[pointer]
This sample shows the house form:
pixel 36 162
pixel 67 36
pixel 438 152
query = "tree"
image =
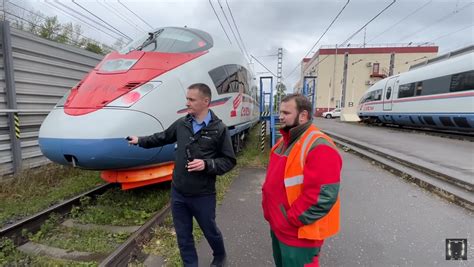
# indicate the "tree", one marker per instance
pixel 93 47
pixel 65 34
pixel 280 92
pixel 50 28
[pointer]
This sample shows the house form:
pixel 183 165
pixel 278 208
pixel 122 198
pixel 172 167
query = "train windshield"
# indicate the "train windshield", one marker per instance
pixel 172 40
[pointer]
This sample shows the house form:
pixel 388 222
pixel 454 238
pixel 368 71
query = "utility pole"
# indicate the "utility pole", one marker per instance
pixel 279 69
pixel 279 86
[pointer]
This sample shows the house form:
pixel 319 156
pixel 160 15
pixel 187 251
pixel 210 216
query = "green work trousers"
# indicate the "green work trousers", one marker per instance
pixel 287 256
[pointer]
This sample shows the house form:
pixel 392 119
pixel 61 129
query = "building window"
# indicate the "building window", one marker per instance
pixel 375 68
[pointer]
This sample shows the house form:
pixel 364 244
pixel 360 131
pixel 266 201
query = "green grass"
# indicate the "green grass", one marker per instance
pixel 35 190
pixel 164 242
pixel 73 239
pixel 10 256
pixel 123 208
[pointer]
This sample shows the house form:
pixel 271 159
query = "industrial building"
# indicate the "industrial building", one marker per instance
pixel 340 76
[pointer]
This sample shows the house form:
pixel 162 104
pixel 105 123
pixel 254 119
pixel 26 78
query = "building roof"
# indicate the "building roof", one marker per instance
pixel 378 50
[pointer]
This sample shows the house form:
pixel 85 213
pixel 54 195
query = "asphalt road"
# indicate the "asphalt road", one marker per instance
pixel 385 222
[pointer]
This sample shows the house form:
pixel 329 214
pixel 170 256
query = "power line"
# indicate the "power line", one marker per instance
pixel 231 30
pixel 438 21
pixel 86 17
pixel 220 22
pixel 398 22
pixel 365 25
pixel 79 19
pixel 322 35
pixel 85 9
pixel 238 32
pixel 445 35
pixel 40 26
pixel 44 18
pixel 355 33
pixel 151 27
pixel 119 15
pixel 263 66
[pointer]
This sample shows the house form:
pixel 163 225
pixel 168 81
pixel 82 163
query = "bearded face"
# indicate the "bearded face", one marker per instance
pixel 287 127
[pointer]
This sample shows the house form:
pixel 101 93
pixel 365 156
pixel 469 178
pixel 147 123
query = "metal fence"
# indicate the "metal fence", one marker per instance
pixel 34 74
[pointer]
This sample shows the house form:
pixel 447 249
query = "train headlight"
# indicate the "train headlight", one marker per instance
pixel 130 98
pixel 117 65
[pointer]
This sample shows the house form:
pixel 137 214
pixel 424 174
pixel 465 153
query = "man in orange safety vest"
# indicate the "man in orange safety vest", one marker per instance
pixel 300 192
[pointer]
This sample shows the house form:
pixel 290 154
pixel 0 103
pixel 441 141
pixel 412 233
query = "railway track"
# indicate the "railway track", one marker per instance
pixel 444 185
pixel 123 254
pixel 34 222
pixel 433 132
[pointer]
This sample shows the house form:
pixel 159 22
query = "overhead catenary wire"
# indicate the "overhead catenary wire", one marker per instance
pixel 230 26
pixel 263 66
pixel 365 25
pixel 39 15
pixel 456 11
pixel 39 26
pixel 79 19
pixel 131 11
pixel 451 33
pixel 355 33
pixel 98 23
pixel 119 15
pixel 222 26
pixel 85 9
pixel 322 35
pixel 237 29
pixel 401 20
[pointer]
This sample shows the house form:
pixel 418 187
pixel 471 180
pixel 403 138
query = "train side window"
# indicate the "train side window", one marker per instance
pixel 378 95
pixel 233 83
pixel 243 79
pixel 389 93
pixel 219 76
pixel 406 90
pixel 419 88
pixel 462 81
pixel 439 85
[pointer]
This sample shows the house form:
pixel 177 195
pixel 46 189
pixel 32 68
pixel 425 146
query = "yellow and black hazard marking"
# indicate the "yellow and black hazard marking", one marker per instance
pixel 17 125
pixel 262 135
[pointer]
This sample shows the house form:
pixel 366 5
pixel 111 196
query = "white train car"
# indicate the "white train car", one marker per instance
pixel 438 93
pixel 141 90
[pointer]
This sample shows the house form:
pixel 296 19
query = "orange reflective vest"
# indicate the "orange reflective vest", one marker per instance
pixel 328 225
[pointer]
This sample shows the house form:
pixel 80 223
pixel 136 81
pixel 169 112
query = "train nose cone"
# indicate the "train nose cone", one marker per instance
pixel 97 140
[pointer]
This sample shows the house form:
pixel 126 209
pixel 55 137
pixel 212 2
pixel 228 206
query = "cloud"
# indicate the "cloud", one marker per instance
pixel 295 26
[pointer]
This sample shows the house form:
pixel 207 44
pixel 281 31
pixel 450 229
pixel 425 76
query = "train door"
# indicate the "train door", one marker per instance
pixel 389 91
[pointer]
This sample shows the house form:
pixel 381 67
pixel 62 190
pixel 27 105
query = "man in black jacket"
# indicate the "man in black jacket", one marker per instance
pixel 204 150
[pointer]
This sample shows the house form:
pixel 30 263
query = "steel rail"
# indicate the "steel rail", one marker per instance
pixel 33 223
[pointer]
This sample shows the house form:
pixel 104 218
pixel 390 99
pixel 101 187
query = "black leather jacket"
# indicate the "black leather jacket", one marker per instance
pixel 212 144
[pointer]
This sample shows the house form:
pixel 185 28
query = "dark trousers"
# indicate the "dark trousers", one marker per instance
pixel 203 208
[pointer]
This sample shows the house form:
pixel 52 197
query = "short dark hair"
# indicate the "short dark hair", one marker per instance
pixel 302 103
pixel 203 88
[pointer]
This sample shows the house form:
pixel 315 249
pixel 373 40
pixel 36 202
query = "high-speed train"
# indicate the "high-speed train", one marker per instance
pixel 438 93
pixel 141 90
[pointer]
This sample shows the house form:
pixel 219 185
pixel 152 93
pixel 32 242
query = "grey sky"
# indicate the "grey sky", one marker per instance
pixel 293 25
